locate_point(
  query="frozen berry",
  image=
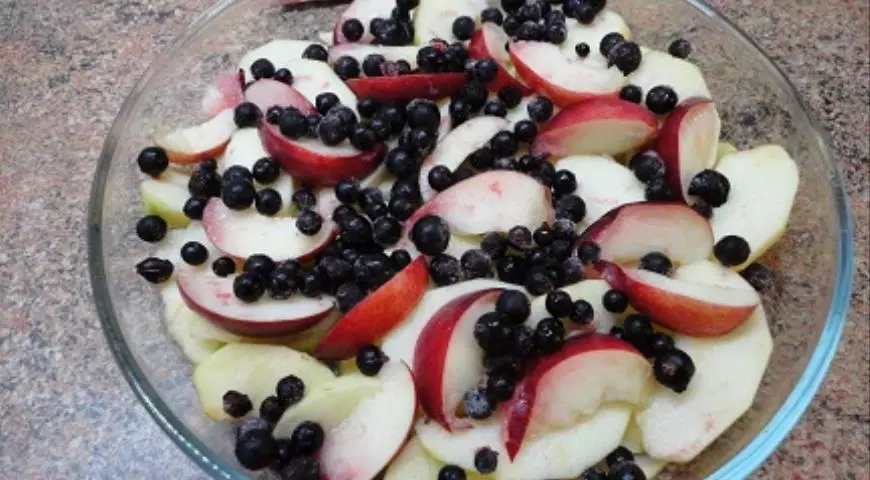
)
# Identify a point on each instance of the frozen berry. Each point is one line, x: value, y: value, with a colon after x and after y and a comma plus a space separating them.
x: 362, y: 137
x: 256, y: 449
x: 564, y: 229
x: 440, y: 178
x: 400, y: 258
x: 494, y: 244
x: 293, y: 124
x: 310, y: 283
x: 615, y: 301
x: 236, y: 404
x: 204, y: 183
x: 247, y: 114
x: 540, y: 109
x: 660, y: 342
x: 271, y: 409
x: 223, y: 267
x: 369, y: 360
x: 423, y: 114
x: 626, y: 471
x: 283, y: 75
x: 511, y: 269
x: 402, y: 207
x: 492, y: 15
x: 520, y: 237
x: 760, y: 277
x: 674, y: 369
x: 352, y: 29
x: 658, y: 190
x: 538, y: 282
x: 647, y: 166
x: 511, y: 95
x: 445, y: 270
x: 680, y: 48
x: 711, y: 186
x: 571, y: 270
x: 500, y: 386
x: 152, y: 161
x: 307, y: 438
x: 309, y: 222
x: 282, y: 284
x: 703, y: 209
x: 194, y: 253
x: 559, y: 304
x: 430, y: 235
x: 593, y: 473
x: 301, y: 468
x: 525, y: 131
x: 476, y: 264
x: 194, y: 207
x: 290, y: 390
x: 238, y: 195
x: 476, y: 404
x: 151, y: 228
x: 589, y: 252
x: 265, y: 171
x: 463, y: 27
x: 619, y: 455
x: 732, y: 250
x: 556, y: 33
x: 386, y: 230
x: 248, y: 287
x: 452, y: 472
x: 549, y: 335
x: 315, y: 52
x: 582, y: 49
x: 495, y: 108
x: 626, y: 56
x: 571, y: 207
x: 631, y: 93
x: 503, y: 144
x: 347, y: 190
x: 268, y: 201
x: 513, y: 306
x: 262, y: 68
x: 155, y: 270
x: 492, y: 333
x: 346, y: 67
x: 581, y: 312
x: 609, y: 41
x: 486, y: 460
x: 661, y: 99
x: 656, y: 262
x: 260, y: 264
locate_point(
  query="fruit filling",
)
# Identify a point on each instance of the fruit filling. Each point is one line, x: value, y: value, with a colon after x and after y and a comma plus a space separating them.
x: 461, y: 238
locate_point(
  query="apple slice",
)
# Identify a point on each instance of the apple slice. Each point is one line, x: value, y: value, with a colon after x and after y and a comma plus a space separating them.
x: 690, y: 308
x: 166, y: 200
x: 633, y: 438
x: 313, y: 77
x: 213, y: 298
x: 728, y: 371
x: 226, y: 92
x: 281, y: 52
x: 192, y: 144
x: 308, y: 340
x: 253, y: 370
x: 244, y: 150
x: 603, y: 184
x: 650, y: 466
x: 627, y: 233
x: 401, y: 342
x: 196, y: 349
x: 758, y: 208
x: 607, y: 21
x: 378, y: 313
x: 328, y: 404
x: 241, y: 234
x: 725, y: 148
x: 590, y: 290
x: 365, y: 442
x: 459, y: 144
x: 309, y: 160
x: 365, y: 11
x: 267, y: 93
x: 413, y: 463
x: 604, y: 126
x: 360, y: 51
x: 561, y: 454
x: 490, y: 41
x: 661, y: 68
x: 688, y: 142
x: 170, y: 247
x: 493, y: 201
x: 177, y: 175
x: 557, y: 390
x: 433, y: 19
x: 433, y: 86
x: 565, y: 79
x: 447, y: 359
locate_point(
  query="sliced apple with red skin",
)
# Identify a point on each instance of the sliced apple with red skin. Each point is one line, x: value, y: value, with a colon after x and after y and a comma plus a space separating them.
x: 566, y: 80
x: 193, y: 144
x: 728, y: 371
x: 627, y: 233
x: 604, y: 126
x: 226, y: 92
x: 365, y: 11
x: 309, y: 160
x: 690, y: 308
x: 661, y: 68
x: 602, y: 183
x: 281, y: 52
x: 213, y: 298
x: 688, y: 142
x: 457, y: 145
x: 267, y: 93
x: 313, y: 77
x: 360, y: 51
x: 432, y: 86
x: 493, y: 201
x: 364, y: 443
x: 559, y: 389
x: 378, y: 313
x: 489, y: 41
x: 447, y: 359
x: 244, y: 233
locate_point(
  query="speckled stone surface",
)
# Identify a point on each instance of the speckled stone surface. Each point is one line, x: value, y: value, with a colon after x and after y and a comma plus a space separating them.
x: 65, y: 68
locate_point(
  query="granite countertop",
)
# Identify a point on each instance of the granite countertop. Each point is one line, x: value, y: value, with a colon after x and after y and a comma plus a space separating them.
x: 65, y: 409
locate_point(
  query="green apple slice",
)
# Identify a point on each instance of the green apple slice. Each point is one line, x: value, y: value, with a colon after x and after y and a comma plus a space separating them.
x: 328, y: 404
x: 166, y: 200
x: 253, y: 370
x: 413, y: 463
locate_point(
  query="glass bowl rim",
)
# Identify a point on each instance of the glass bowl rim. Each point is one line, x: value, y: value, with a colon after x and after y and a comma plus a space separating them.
x: 740, y: 466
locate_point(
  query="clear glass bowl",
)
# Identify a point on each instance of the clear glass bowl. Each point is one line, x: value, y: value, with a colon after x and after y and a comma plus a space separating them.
x: 807, y: 308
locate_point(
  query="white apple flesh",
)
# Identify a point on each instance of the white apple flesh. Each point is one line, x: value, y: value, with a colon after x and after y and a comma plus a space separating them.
x: 663, y: 69
x: 764, y: 182
x: 728, y: 371
x: 413, y: 463
x: 602, y: 183
x: 365, y: 11
x: 244, y: 150
x: 192, y: 144
x: 434, y: 18
x: 281, y: 52
x: 607, y: 21
x: 589, y: 290
x: 312, y: 77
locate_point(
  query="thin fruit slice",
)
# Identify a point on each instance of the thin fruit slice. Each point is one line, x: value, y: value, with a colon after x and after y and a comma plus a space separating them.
x: 364, y: 443
x: 365, y: 11
x: 433, y: 86
x: 328, y: 404
x: 312, y: 77
x: 192, y: 144
x: 490, y: 41
x: 225, y: 92
x: 663, y: 69
x: 166, y: 200
x: 309, y: 160
x: 448, y: 361
x: 607, y: 21
x: 688, y: 142
x: 562, y: 454
x: 244, y: 233
x: 606, y: 126
x: 458, y: 145
x: 433, y: 19
x: 378, y: 313
x: 413, y: 463
x: 591, y: 291
x: 400, y: 343
x: 360, y: 51
x: 213, y: 298
x: 196, y: 349
x: 627, y: 233
x: 308, y: 340
x: 557, y: 390
x: 728, y: 371
x: 566, y: 80
x: 602, y: 183
x: 253, y: 370
x: 267, y: 93
x: 687, y: 307
x: 764, y: 182
x: 244, y: 150
x: 281, y: 52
